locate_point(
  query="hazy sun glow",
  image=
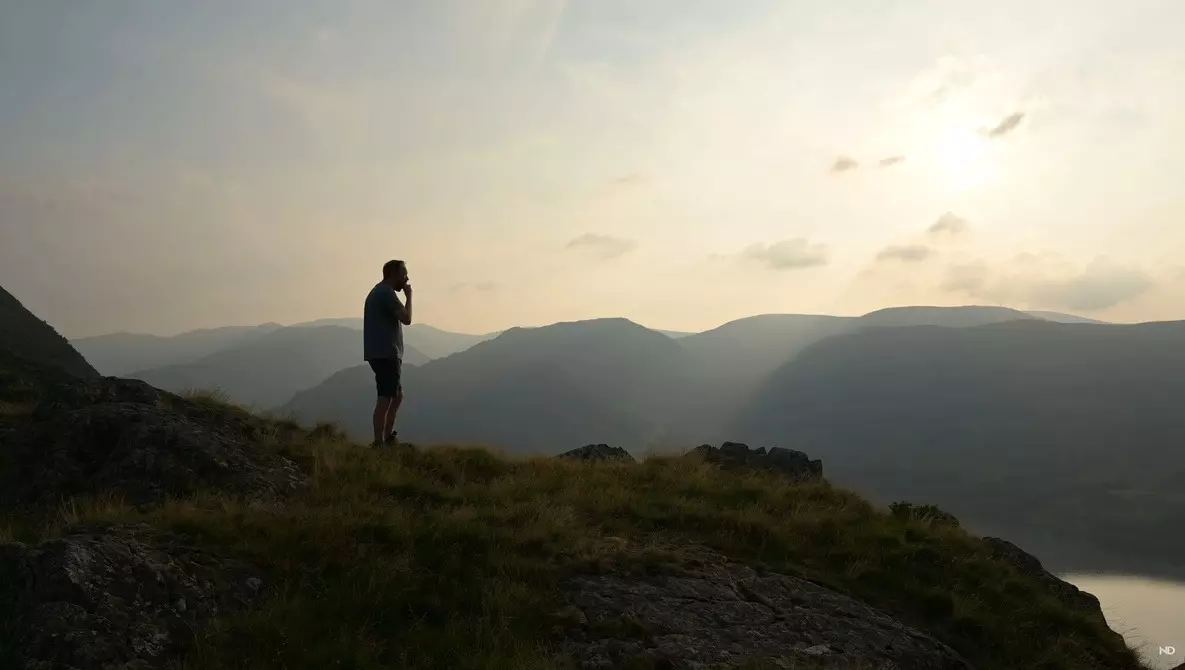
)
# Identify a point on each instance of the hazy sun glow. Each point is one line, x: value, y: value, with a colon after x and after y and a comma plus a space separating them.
x: 964, y: 160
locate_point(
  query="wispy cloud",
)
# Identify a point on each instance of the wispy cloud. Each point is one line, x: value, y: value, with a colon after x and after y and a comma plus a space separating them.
x: 1005, y: 126
x: 602, y: 246
x: 908, y: 253
x: 792, y: 254
x: 844, y: 164
x: 890, y: 161
x: 632, y: 179
x: 949, y: 224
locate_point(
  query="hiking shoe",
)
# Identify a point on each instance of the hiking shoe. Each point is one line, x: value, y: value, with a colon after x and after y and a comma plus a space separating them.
x: 391, y: 441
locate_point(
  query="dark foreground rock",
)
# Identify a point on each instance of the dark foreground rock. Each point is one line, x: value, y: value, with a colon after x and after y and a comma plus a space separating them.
x: 125, y: 438
x: 111, y: 597
x: 707, y: 612
x: 597, y: 452
x: 1064, y: 592
x: 734, y: 455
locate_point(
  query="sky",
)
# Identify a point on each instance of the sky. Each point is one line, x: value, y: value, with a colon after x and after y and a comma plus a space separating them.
x: 681, y: 163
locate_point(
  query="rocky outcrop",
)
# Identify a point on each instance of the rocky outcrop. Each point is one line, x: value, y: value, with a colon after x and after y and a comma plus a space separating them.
x: 597, y: 452
x: 1028, y: 565
x: 704, y: 611
x: 124, y: 437
x: 112, y: 597
x: 732, y: 455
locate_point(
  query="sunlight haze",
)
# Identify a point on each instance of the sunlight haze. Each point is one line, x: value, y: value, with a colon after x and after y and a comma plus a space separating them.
x: 169, y: 166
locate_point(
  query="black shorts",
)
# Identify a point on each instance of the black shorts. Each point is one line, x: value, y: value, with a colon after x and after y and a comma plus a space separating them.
x: 387, y: 376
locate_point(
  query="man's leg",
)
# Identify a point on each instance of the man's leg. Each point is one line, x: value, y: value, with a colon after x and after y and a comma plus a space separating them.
x: 382, y: 409
x: 389, y: 425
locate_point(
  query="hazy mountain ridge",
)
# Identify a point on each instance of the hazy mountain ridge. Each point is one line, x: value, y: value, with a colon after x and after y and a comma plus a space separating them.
x: 124, y: 353
x: 119, y: 354
x: 266, y: 370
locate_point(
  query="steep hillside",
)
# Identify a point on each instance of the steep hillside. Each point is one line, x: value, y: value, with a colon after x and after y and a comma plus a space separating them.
x: 726, y: 363
x: 1073, y: 429
x: 121, y: 354
x: 268, y: 370
x: 24, y: 336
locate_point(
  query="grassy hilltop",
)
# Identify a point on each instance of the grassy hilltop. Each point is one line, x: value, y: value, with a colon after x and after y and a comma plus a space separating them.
x: 452, y: 557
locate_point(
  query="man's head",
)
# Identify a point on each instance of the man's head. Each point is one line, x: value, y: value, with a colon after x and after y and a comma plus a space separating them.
x: 395, y: 274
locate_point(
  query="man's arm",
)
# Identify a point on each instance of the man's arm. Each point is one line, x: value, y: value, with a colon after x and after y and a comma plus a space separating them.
x: 396, y: 309
x: 407, y: 308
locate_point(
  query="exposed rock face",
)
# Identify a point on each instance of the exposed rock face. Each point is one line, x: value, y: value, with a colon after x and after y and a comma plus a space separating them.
x: 111, y: 597
x: 124, y: 437
x: 1027, y: 564
x: 597, y: 452
x: 791, y: 463
x: 708, y: 612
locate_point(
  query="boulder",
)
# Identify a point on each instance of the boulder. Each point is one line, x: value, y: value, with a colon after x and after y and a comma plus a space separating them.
x: 108, y: 597
x: 597, y: 452
x: 124, y: 437
x: 734, y: 455
x: 705, y: 611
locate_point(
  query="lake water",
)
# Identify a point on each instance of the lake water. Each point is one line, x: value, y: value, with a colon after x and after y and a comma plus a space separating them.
x: 1148, y: 613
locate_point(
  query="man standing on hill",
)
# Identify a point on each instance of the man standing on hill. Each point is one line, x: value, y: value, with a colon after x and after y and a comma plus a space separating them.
x: 382, y: 340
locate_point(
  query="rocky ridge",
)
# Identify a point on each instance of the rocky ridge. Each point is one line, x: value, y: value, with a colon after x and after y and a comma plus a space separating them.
x: 125, y: 438
x: 788, y: 462
x: 701, y: 610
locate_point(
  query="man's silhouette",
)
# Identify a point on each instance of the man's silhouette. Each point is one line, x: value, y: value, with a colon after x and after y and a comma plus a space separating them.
x: 382, y: 339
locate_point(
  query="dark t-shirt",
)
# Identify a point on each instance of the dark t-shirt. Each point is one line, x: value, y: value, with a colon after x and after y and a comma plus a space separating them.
x: 382, y: 330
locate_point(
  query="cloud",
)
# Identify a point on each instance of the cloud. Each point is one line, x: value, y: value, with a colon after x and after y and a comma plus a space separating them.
x: 949, y: 224
x: 890, y: 161
x: 844, y: 164
x: 792, y: 254
x: 603, y: 246
x: 632, y: 179
x: 1101, y: 284
x: 1005, y: 126
x: 909, y: 253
